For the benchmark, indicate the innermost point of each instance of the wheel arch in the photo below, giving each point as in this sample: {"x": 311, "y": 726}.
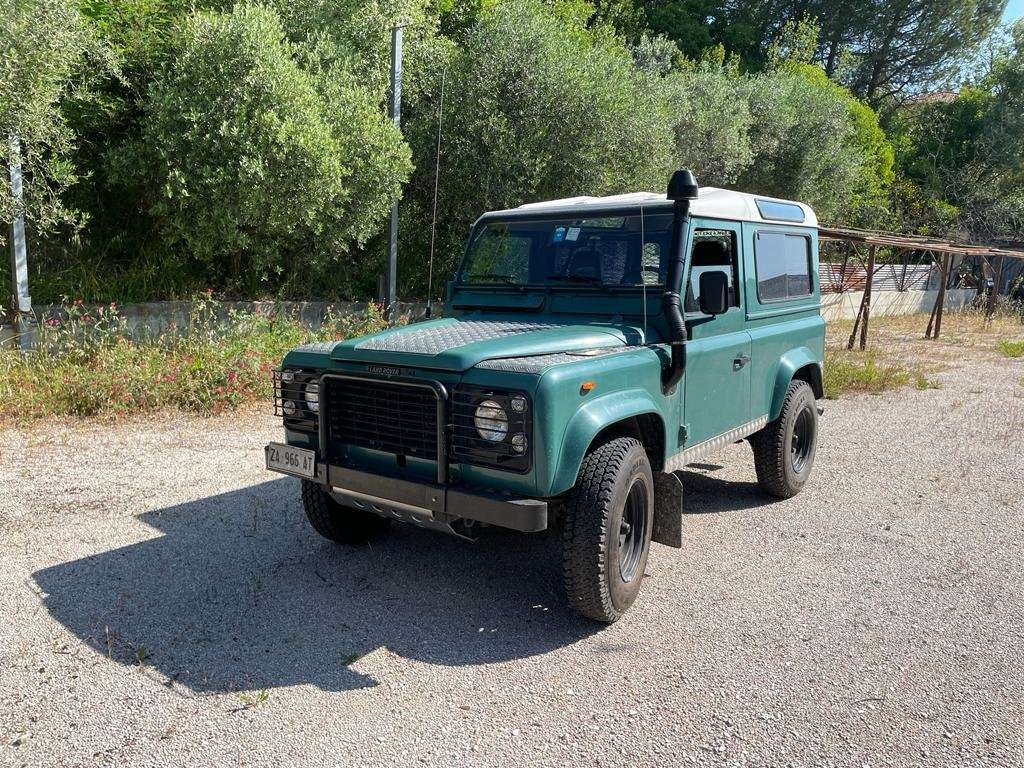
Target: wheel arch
{"x": 622, "y": 414}
{"x": 799, "y": 364}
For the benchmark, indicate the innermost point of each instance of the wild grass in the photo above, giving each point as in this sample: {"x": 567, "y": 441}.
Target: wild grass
{"x": 1010, "y": 348}
{"x": 864, "y": 372}
{"x": 898, "y": 354}
{"x": 87, "y": 363}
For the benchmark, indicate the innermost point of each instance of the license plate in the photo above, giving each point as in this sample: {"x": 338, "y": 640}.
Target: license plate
{"x": 291, "y": 460}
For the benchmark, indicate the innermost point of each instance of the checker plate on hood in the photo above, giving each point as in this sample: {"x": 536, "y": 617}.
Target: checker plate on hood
{"x": 438, "y": 338}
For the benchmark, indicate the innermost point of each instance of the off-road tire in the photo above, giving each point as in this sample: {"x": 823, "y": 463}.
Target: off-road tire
{"x": 778, "y": 473}
{"x": 593, "y": 522}
{"x": 334, "y": 521}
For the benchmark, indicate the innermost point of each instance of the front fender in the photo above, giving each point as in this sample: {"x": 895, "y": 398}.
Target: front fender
{"x": 791, "y": 362}
{"x": 592, "y": 417}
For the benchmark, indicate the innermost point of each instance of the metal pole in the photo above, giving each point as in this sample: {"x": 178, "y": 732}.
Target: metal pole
{"x": 437, "y": 183}
{"x": 21, "y": 301}
{"x": 391, "y": 278}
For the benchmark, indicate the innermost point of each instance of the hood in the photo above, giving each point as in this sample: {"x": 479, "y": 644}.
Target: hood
{"x": 459, "y": 343}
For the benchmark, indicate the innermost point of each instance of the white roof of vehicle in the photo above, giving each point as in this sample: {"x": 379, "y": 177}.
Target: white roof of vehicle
{"x": 711, "y": 202}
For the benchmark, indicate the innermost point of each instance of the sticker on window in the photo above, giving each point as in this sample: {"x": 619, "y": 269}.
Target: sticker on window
{"x": 558, "y": 235}
{"x": 573, "y": 234}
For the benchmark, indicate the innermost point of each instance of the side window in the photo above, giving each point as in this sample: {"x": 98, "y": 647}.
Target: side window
{"x": 783, "y": 263}
{"x": 713, "y": 250}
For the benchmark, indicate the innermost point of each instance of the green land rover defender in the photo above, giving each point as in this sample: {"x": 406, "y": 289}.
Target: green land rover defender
{"x": 590, "y": 349}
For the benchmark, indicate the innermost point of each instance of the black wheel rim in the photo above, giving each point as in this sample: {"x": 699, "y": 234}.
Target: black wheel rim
{"x": 803, "y": 439}
{"x": 633, "y": 531}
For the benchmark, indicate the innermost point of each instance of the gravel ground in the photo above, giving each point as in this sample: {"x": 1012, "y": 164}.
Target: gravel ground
{"x": 165, "y": 603}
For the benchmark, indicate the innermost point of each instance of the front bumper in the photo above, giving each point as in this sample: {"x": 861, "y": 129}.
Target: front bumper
{"x": 439, "y": 506}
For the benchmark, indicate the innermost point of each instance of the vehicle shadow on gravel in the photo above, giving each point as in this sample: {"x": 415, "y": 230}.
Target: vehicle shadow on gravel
{"x": 706, "y": 494}
{"x": 237, "y": 593}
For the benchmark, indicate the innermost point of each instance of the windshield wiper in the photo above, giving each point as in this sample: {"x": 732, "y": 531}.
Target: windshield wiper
{"x": 507, "y": 279}
{"x": 589, "y": 279}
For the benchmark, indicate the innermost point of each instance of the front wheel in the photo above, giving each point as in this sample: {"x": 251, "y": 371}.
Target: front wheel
{"x": 784, "y": 450}
{"x": 607, "y": 530}
{"x": 336, "y": 522}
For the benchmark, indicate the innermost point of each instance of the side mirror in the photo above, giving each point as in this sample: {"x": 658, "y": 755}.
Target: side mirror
{"x": 714, "y": 293}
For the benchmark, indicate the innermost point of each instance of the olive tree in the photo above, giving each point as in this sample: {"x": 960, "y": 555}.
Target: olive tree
{"x": 45, "y": 46}
{"x": 537, "y": 107}
{"x": 276, "y": 169}
{"x": 712, "y": 119}
{"x": 812, "y": 140}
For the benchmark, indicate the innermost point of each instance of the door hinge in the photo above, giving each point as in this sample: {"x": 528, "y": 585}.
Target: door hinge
{"x": 684, "y": 432}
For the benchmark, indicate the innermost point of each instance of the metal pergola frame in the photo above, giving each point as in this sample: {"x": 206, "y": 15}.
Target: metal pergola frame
{"x": 875, "y": 239}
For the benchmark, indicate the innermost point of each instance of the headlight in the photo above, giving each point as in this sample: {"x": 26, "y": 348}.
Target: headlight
{"x": 311, "y": 394}
{"x": 491, "y": 421}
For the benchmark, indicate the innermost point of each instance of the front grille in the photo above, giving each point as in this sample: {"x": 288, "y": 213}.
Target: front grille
{"x": 382, "y": 416}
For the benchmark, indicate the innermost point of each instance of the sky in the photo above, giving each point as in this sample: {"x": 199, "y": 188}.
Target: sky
{"x": 1014, "y": 10}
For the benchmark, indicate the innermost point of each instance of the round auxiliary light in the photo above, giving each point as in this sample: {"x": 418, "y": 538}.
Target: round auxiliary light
{"x": 519, "y": 443}
{"x": 518, "y": 403}
{"x": 311, "y": 394}
{"x": 491, "y": 421}
{"x": 287, "y": 376}
{"x": 288, "y": 406}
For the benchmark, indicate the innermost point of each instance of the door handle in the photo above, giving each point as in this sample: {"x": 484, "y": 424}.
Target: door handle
{"x": 739, "y": 362}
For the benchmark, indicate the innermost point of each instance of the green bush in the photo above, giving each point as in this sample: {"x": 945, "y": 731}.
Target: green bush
{"x": 263, "y": 166}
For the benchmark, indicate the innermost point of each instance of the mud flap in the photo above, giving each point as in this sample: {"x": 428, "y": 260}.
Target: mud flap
{"x": 668, "y": 509}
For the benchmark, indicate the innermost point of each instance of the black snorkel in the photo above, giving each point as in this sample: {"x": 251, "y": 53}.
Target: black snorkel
{"x": 682, "y": 188}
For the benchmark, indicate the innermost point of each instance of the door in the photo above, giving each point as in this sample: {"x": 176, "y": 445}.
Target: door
{"x": 716, "y": 383}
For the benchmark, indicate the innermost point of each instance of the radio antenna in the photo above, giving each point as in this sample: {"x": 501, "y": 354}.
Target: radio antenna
{"x": 433, "y": 220}
{"x": 643, "y": 277}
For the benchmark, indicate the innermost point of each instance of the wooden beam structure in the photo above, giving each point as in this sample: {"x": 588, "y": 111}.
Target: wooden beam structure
{"x": 875, "y": 239}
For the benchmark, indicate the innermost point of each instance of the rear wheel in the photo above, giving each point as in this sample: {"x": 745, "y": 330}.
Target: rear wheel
{"x": 336, "y": 522}
{"x": 607, "y": 529}
{"x": 784, "y": 450}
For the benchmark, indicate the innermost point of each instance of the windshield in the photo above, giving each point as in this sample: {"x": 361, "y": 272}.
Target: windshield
{"x": 619, "y": 251}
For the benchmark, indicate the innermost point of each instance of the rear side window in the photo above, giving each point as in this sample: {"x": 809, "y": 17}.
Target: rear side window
{"x": 783, "y": 265}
